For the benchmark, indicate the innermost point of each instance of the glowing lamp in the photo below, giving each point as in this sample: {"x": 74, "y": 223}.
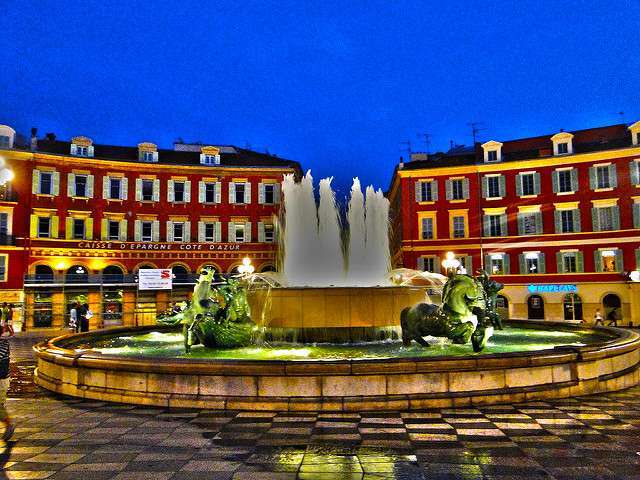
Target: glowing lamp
{"x": 634, "y": 276}
{"x": 450, "y": 263}
{"x": 246, "y": 268}
{"x": 61, "y": 265}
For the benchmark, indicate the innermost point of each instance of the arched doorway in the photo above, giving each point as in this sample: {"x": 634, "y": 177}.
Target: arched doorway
{"x": 268, "y": 268}
{"x": 502, "y": 306}
{"x": 112, "y": 274}
{"x": 612, "y": 308}
{"x": 44, "y": 273}
{"x": 77, "y": 274}
{"x": 572, "y": 306}
{"x": 180, "y": 274}
{"x": 535, "y": 307}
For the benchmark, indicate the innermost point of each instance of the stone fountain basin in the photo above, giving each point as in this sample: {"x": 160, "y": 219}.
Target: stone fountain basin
{"x": 343, "y": 385}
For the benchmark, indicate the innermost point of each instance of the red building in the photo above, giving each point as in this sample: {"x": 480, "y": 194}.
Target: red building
{"x": 79, "y": 220}
{"x": 554, "y": 218}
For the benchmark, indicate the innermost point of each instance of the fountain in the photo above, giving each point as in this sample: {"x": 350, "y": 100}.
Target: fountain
{"x": 336, "y": 329}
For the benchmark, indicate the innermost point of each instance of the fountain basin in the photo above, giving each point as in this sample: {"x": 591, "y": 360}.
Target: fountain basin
{"x": 609, "y": 363}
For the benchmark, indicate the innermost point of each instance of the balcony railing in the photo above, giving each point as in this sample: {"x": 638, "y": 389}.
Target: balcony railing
{"x": 74, "y": 279}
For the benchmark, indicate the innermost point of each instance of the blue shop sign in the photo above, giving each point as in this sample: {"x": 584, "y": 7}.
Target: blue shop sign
{"x": 553, "y": 288}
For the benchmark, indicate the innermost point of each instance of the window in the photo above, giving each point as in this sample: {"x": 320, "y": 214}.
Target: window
{"x": 563, "y": 148}
{"x": 269, "y": 233}
{"x": 113, "y": 230}
{"x": 178, "y": 231}
{"x": 82, "y": 151}
{"x": 603, "y": 179}
{"x": 46, "y": 183}
{"x": 115, "y": 188}
{"x": 78, "y": 229}
{"x": 529, "y": 223}
{"x": 4, "y": 225}
{"x": 146, "y": 229}
{"x": 210, "y": 192}
{"x": 427, "y": 228}
{"x": 147, "y": 156}
{"x": 493, "y": 187}
{"x": 457, "y": 189}
{"x": 459, "y": 227}
{"x": 427, "y": 264}
{"x": 569, "y": 262}
{"x": 528, "y": 184}
{"x": 531, "y": 262}
{"x": 5, "y": 141}
{"x": 605, "y": 218}
{"x": 492, "y": 156}
{"x": 497, "y": 264}
{"x": 565, "y": 183}
{"x": 239, "y": 232}
{"x": 269, "y": 193}
{"x": 178, "y": 192}
{"x": 566, "y": 221}
{"x": 80, "y": 185}
{"x": 426, "y": 191}
{"x": 608, "y": 260}
{"x": 239, "y": 193}
{"x": 209, "y": 232}
{"x": 147, "y": 190}
{"x": 44, "y": 227}
{"x": 3, "y": 268}
{"x": 210, "y": 159}
{"x": 495, "y": 225}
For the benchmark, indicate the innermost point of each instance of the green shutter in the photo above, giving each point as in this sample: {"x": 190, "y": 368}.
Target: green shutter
{"x": 619, "y": 260}
{"x": 487, "y": 264}
{"x": 637, "y": 258}
{"x": 520, "y": 218}
{"x": 485, "y": 225}
{"x": 542, "y": 264}
{"x": 559, "y": 263}
{"x": 420, "y": 264}
{"x": 574, "y": 180}
{"x": 434, "y": 190}
{"x": 636, "y": 215}
{"x": 616, "y": 217}
{"x": 613, "y": 176}
{"x": 634, "y": 170}
{"x": 539, "y": 226}
{"x": 485, "y": 187}
{"x": 577, "y": 224}
{"x": 555, "y": 181}
{"x": 523, "y": 264}
{"x": 504, "y": 231}
{"x": 468, "y": 264}
{"x": 592, "y": 178}
{"x": 597, "y": 259}
{"x": 536, "y": 183}
{"x": 595, "y": 227}
{"x": 518, "y": 185}
{"x": 506, "y": 264}
{"x": 503, "y": 186}
{"x": 465, "y": 188}
{"x": 557, "y": 219}
{"x": 579, "y": 262}
{"x": 449, "y": 189}
{"x": 437, "y": 265}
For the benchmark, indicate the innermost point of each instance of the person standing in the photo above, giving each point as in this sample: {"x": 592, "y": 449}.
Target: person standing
{"x": 85, "y": 315}
{"x": 598, "y": 320}
{"x": 73, "y": 317}
{"x": 7, "y": 317}
{"x": 4, "y": 387}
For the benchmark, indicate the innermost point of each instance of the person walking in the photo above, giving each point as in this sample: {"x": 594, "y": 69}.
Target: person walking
{"x": 7, "y": 317}
{"x": 73, "y": 317}
{"x": 598, "y": 319}
{"x": 4, "y": 387}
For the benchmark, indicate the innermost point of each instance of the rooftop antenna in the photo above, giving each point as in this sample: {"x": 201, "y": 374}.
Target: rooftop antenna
{"x": 621, "y": 116}
{"x": 475, "y": 129}
{"x": 427, "y": 141}
{"x": 406, "y": 146}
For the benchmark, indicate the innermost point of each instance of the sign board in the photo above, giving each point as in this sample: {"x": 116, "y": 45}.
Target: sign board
{"x": 155, "y": 279}
{"x": 553, "y": 288}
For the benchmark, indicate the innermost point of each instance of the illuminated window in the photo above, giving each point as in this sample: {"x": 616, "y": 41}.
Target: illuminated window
{"x": 497, "y": 264}
{"x": 609, "y": 260}
{"x": 239, "y": 232}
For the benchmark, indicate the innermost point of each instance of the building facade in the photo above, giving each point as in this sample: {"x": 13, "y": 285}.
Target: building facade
{"x": 555, "y": 218}
{"x": 79, "y": 220}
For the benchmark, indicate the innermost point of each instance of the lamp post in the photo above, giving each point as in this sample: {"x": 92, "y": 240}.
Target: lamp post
{"x": 246, "y": 268}
{"x": 451, "y": 264}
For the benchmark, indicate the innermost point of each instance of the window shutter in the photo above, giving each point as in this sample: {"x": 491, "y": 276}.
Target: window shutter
{"x": 90, "y": 180}
{"x": 260, "y": 232}
{"x": 201, "y": 231}
{"x": 592, "y": 178}
{"x": 613, "y": 176}
{"x": 261, "y": 193}
{"x": 124, "y": 188}
{"x": 575, "y": 184}
{"x": 616, "y": 217}
{"x": 33, "y": 226}
{"x": 637, "y": 258}
{"x": 576, "y": 220}
{"x": 218, "y": 192}
{"x": 201, "y": 192}
{"x": 276, "y": 193}
{"x": 68, "y": 228}
{"x": 468, "y": 264}
{"x": 56, "y": 183}
{"x": 559, "y": 263}
{"x": 156, "y": 190}
{"x": 485, "y": 187}
{"x": 74, "y": 149}
{"x": 634, "y": 170}
{"x": 557, "y": 219}
{"x": 595, "y": 224}
{"x": 138, "y": 189}
{"x": 419, "y": 186}
{"x": 247, "y": 232}
{"x": 597, "y": 258}
{"x": 506, "y": 263}
{"x": 55, "y": 226}
{"x": 555, "y": 181}
{"x": 170, "y": 194}
{"x": 104, "y": 228}
{"x": 487, "y": 263}
{"x": 449, "y": 189}
{"x": 579, "y": 262}
{"x": 636, "y": 215}
{"x": 434, "y": 190}
{"x": 437, "y": 265}
{"x": 539, "y": 226}
{"x": 187, "y": 231}
{"x": 504, "y": 231}
{"x": 542, "y": 264}
{"x": 420, "y": 264}
{"x": 536, "y": 183}
{"x": 232, "y": 192}
{"x": 523, "y": 264}
{"x": 518, "y": 185}
{"x": 218, "y": 232}
{"x": 465, "y": 188}
{"x": 520, "y": 224}
{"x": 485, "y": 225}
{"x": 503, "y": 186}
{"x": 71, "y": 185}
{"x": 247, "y": 193}
{"x": 619, "y": 260}
{"x": 137, "y": 234}
{"x": 155, "y": 156}
{"x": 88, "y": 228}
{"x": 35, "y": 182}
{"x": 187, "y": 191}
{"x": 123, "y": 230}
{"x": 231, "y": 231}
{"x": 155, "y": 231}
{"x": 169, "y": 231}
{"x": 90, "y": 151}
{"x": 105, "y": 187}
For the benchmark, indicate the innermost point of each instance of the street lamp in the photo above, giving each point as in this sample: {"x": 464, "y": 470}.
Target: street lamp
{"x": 450, "y": 264}
{"x": 6, "y": 174}
{"x": 246, "y": 268}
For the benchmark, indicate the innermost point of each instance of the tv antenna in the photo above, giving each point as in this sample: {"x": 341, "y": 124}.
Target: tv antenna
{"x": 406, "y": 146}
{"x": 475, "y": 129}
{"x": 427, "y": 141}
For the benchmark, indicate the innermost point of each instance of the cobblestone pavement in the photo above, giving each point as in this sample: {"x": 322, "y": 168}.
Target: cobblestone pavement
{"x": 62, "y": 438}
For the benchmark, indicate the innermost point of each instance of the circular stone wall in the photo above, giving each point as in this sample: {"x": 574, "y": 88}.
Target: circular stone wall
{"x": 348, "y": 385}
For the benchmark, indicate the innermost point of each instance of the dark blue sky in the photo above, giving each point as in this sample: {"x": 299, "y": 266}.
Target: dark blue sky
{"x": 335, "y": 85}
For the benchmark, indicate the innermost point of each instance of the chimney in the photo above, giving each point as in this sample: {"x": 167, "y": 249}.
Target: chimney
{"x": 401, "y": 164}
{"x": 51, "y": 137}
{"x": 34, "y": 139}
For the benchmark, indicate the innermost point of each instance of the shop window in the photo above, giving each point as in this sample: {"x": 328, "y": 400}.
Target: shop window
{"x": 268, "y": 268}
{"x": 572, "y": 306}
{"x": 43, "y": 308}
{"x": 112, "y": 303}
{"x": 612, "y": 308}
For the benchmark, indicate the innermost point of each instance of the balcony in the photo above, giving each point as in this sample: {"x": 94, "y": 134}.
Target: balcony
{"x": 96, "y": 280}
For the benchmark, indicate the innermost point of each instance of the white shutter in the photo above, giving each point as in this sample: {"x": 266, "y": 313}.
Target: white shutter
{"x": 218, "y": 232}
{"x": 123, "y": 230}
{"x": 247, "y": 232}
{"x": 419, "y": 186}
{"x": 231, "y": 231}
{"x": 156, "y": 190}
{"x": 56, "y": 183}
{"x": 247, "y": 193}
{"x": 421, "y": 264}
{"x": 105, "y": 187}
{"x": 71, "y": 185}
{"x": 218, "y": 192}
{"x": 261, "y": 193}
{"x": 124, "y": 188}
{"x": 35, "y": 182}
{"x": 201, "y": 231}
{"x": 90, "y": 180}
{"x": 232, "y": 193}
{"x": 137, "y": 234}
{"x": 201, "y": 192}
{"x": 90, "y": 151}
{"x": 155, "y": 232}
{"x": 261, "y": 232}
{"x": 138, "y": 189}
{"x": 187, "y": 191}
{"x": 276, "y": 193}
{"x": 170, "y": 194}
{"x": 187, "y": 231}
{"x": 465, "y": 188}
{"x": 74, "y": 149}
{"x": 169, "y": 231}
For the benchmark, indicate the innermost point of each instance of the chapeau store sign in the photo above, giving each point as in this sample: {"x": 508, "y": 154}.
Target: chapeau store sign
{"x": 158, "y": 246}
